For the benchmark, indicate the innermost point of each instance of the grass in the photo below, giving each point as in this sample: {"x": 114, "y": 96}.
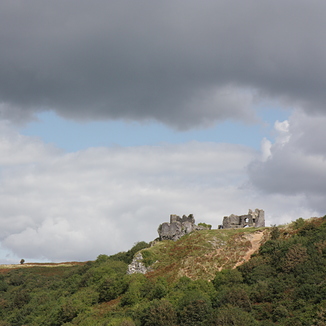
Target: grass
{"x": 41, "y": 268}
{"x": 200, "y": 254}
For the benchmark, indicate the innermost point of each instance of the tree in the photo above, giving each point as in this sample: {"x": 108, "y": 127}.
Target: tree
{"x": 159, "y": 313}
{"x": 22, "y": 261}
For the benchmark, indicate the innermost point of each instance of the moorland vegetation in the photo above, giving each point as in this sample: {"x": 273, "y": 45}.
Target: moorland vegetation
{"x": 283, "y": 283}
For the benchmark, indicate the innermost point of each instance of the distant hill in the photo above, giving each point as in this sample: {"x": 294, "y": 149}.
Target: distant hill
{"x": 251, "y": 276}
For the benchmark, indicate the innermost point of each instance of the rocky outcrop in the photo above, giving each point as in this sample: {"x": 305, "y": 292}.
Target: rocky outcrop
{"x": 178, "y": 227}
{"x": 252, "y": 219}
{"x": 137, "y": 265}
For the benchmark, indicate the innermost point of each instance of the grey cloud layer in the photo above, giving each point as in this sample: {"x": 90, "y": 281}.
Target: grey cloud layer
{"x": 296, "y": 164}
{"x": 184, "y": 63}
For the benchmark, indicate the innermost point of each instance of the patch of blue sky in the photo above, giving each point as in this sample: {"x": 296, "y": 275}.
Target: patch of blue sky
{"x": 269, "y": 114}
{"x": 73, "y": 136}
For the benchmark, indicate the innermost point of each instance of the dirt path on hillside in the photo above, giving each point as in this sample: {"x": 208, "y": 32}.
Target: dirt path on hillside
{"x": 255, "y": 240}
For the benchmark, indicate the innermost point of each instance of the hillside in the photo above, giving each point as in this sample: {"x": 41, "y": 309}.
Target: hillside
{"x": 200, "y": 254}
{"x": 205, "y": 278}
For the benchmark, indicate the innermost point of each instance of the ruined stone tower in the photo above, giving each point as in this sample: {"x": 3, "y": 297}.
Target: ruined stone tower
{"x": 252, "y": 219}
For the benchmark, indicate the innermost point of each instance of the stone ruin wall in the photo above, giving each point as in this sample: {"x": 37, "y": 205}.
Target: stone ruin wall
{"x": 178, "y": 227}
{"x": 252, "y": 219}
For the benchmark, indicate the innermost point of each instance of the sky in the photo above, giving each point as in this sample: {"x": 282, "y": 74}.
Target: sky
{"x": 116, "y": 114}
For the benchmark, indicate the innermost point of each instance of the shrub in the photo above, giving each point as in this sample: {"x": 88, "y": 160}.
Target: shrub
{"x": 279, "y": 313}
{"x": 236, "y": 296}
{"x": 208, "y": 226}
{"x": 196, "y": 313}
{"x": 21, "y": 298}
{"x": 299, "y": 223}
{"x": 275, "y": 232}
{"x": 111, "y": 288}
{"x": 3, "y": 286}
{"x": 296, "y": 254}
{"x": 159, "y": 313}
{"x": 227, "y": 277}
{"x": 229, "y": 315}
{"x": 194, "y": 308}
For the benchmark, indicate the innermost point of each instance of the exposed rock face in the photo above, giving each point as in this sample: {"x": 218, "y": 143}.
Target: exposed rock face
{"x": 178, "y": 227}
{"x": 252, "y": 219}
{"x": 137, "y": 265}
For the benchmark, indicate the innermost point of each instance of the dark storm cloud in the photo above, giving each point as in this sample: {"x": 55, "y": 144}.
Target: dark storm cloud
{"x": 184, "y": 63}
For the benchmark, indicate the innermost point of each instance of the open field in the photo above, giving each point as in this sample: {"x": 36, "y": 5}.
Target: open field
{"x": 6, "y": 267}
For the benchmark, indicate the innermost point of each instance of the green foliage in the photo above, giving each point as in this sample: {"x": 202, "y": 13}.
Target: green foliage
{"x": 207, "y": 226}
{"x": 134, "y": 293}
{"x": 3, "y": 286}
{"x": 154, "y": 289}
{"x": 236, "y": 295}
{"x": 227, "y": 277}
{"x": 299, "y": 223}
{"x": 129, "y": 255}
{"x": 148, "y": 257}
{"x": 194, "y": 308}
{"x": 275, "y": 232}
{"x": 282, "y": 284}
{"x": 230, "y": 315}
{"x": 20, "y": 298}
{"x": 111, "y": 287}
{"x": 159, "y": 313}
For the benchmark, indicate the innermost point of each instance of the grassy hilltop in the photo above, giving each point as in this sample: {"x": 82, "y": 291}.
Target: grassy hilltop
{"x": 266, "y": 276}
{"x": 199, "y": 255}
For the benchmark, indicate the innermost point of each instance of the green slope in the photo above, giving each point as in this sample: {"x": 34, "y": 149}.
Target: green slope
{"x": 200, "y": 254}
{"x": 193, "y": 282}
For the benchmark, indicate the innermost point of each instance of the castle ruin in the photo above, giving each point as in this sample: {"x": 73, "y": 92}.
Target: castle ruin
{"x": 178, "y": 227}
{"x": 252, "y": 219}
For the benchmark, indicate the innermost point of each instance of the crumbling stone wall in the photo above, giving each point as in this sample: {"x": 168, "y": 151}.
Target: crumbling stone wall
{"x": 178, "y": 227}
{"x": 252, "y": 219}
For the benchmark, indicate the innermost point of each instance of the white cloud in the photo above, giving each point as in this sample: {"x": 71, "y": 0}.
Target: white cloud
{"x": 74, "y": 206}
{"x": 283, "y": 133}
{"x": 297, "y": 161}
{"x": 266, "y": 146}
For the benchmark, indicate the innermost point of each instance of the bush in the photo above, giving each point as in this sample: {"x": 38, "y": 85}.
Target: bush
{"x": 159, "y": 313}
{"x": 236, "y": 296}
{"x": 275, "y": 233}
{"x": 3, "y": 286}
{"x": 279, "y": 313}
{"x": 111, "y": 288}
{"x": 194, "y": 308}
{"x": 227, "y": 277}
{"x": 229, "y": 315}
{"x": 21, "y": 298}
{"x": 195, "y": 313}
{"x": 133, "y": 295}
{"x": 299, "y": 223}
